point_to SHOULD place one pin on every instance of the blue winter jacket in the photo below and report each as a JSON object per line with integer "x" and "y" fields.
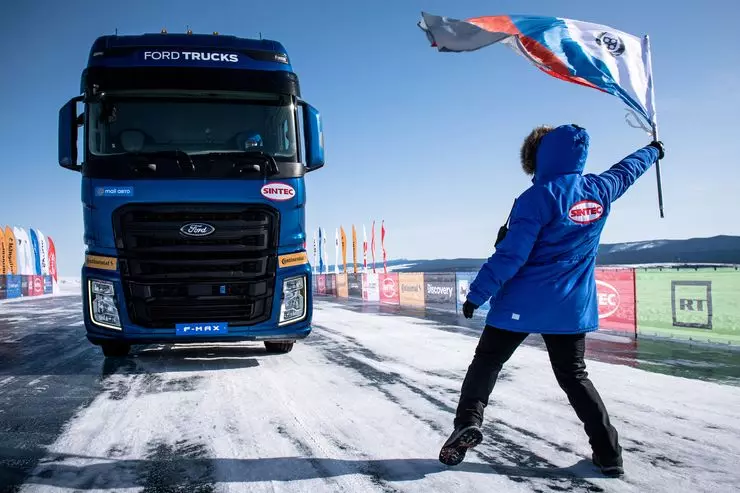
{"x": 541, "y": 278}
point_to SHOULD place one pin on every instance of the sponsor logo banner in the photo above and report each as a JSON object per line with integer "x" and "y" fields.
{"x": 370, "y": 287}
{"x": 342, "y": 286}
{"x": 463, "y": 287}
{"x": 615, "y": 296}
{"x": 440, "y": 291}
{"x": 331, "y": 285}
{"x": 321, "y": 285}
{"x": 411, "y": 289}
{"x": 390, "y": 293}
{"x": 13, "y": 286}
{"x": 354, "y": 285}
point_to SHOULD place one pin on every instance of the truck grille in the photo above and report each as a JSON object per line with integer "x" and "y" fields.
{"x": 225, "y": 276}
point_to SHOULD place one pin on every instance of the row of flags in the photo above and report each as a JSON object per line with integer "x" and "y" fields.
{"x": 321, "y": 264}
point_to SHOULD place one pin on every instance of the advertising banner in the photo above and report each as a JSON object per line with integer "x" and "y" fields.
{"x": 615, "y": 294}
{"x": 331, "y": 285}
{"x": 463, "y": 286}
{"x": 412, "y": 289}
{"x": 26, "y": 286}
{"x": 13, "y": 287}
{"x": 342, "y": 286}
{"x": 321, "y": 285}
{"x": 314, "y": 282}
{"x": 354, "y": 285}
{"x": 3, "y": 287}
{"x": 390, "y": 293}
{"x": 701, "y": 304}
{"x": 48, "y": 285}
{"x": 370, "y": 288}
{"x": 439, "y": 291}
{"x": 38, "y": 285}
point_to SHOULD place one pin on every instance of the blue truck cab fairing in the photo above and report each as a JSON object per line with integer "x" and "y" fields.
{"x": 195, "y": 151}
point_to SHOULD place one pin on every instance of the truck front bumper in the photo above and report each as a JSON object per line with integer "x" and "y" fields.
{"x": 130, "y": 333}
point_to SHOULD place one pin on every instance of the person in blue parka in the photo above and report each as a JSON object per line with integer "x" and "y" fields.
{"x": 541, "y": 280}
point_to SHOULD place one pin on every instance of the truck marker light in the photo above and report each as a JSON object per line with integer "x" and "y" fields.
{"x": 101, "y": 263}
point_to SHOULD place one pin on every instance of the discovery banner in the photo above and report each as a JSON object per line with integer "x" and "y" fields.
{"x": 354, "y": 285}
{"x": 439, "y": 291}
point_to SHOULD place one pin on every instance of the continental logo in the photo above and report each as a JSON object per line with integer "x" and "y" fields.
{"x": 102, "y": 263}
{"x": 293, "y": 259}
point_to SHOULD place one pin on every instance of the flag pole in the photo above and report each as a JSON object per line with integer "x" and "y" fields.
{"x": 654, "y": 123}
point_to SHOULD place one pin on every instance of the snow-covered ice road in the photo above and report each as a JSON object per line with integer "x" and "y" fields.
{"x": 362, "y": 405}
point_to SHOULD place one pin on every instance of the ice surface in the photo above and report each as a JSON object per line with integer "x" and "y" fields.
{"x": 363, "y": 405}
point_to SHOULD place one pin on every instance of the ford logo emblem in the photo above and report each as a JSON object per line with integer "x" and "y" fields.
{"x": 197, "y": 229}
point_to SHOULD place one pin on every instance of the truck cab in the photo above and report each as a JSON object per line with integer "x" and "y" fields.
{"x": 195, "y": 149}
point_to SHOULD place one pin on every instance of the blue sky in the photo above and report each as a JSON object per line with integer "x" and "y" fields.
{"x": 427, "y": 141}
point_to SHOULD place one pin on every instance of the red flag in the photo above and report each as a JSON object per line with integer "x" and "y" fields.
{"x": 372, "y": 245}
{"x": 382, "y": 246}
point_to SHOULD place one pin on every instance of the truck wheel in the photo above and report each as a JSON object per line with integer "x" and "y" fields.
{"x": 279, "y": 347}
{"x": 115, "y": 349}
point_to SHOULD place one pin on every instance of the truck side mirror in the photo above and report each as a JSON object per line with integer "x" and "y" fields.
{"x": 314, "y": 136}
{"x": 68, "y": 124}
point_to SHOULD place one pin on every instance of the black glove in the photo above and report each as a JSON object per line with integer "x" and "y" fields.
{"x": 468, "y": 309}
{"x": 658, "y": 145}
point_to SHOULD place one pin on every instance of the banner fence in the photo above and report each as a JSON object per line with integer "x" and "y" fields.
{"x": 690, "y": 304}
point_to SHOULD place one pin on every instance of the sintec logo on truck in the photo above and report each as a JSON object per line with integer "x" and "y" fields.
{"x": 193, "y": 190}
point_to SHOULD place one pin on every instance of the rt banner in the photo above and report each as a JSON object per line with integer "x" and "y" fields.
{"x": 390, "y": 293}
{"x": 439, "y": 291}
{"x": 615, "y": 294}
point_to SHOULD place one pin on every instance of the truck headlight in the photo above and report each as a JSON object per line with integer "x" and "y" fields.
{"x": 293, "y": 306}
{"x": 103, "y": 309}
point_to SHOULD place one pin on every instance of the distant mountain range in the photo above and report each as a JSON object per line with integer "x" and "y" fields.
{"x": 714, "y": 250}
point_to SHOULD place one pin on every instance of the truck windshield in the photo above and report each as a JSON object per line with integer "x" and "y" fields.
{"x": 195, "y": 126}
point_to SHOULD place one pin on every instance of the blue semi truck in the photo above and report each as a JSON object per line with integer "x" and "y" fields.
{"x": 195, "y": 149}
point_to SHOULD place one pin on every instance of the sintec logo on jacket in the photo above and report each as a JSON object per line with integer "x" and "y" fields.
{"x": 585, "y": 212}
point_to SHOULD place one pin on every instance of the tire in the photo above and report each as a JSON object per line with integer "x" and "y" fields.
{"x": 115, "y": 349}
{"x": 279, "y": 347}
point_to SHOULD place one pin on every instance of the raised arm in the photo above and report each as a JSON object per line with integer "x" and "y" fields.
{"x": 617, "y": 179}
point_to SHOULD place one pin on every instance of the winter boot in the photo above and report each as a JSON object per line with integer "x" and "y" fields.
{"x": 612, "y": 469}
{"x": 454, "y": 449}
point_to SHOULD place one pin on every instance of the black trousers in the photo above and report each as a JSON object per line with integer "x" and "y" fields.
{"x": 566, "y": 353}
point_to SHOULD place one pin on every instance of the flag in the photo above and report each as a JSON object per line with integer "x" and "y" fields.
{"x": 584, "y": 53}
{"x": 372, "y": 244}
{"x": 382, "y": 246}
{"x": 336, "y": 251}
{"x": 354, "y": 248}
{"x": 344, "y": 249}
{"x": 314, "y": 251}
{"x": 325, "y": 257}
{"x": 321, "y": 251}
{"x": 364, "y": 249}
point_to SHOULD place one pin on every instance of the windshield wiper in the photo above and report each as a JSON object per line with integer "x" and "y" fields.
{"x": 265, "y": 161}
{"x": 183, "y": 159}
